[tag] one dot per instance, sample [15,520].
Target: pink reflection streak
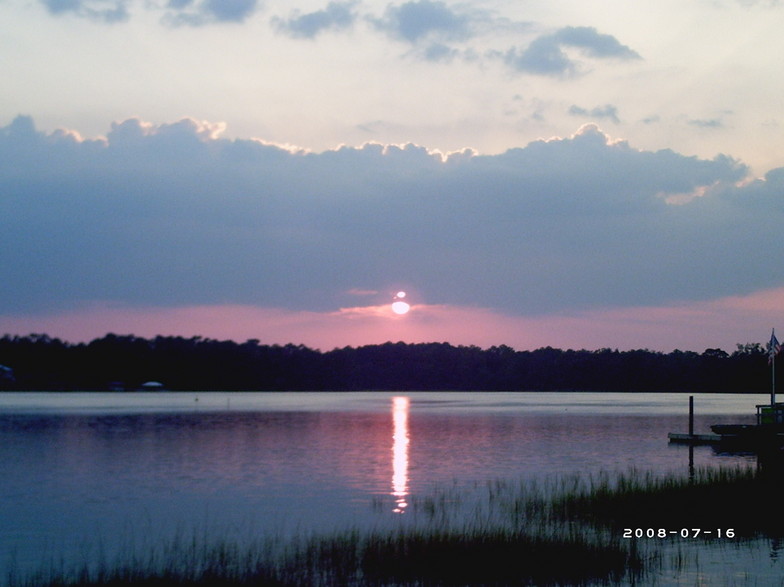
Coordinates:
[400,441]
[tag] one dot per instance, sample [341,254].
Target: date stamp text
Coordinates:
[680,533]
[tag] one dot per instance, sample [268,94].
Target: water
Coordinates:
[83,472]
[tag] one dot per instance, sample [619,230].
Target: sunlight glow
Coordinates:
[400,308]
[400,442]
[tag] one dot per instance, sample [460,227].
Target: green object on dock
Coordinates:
[773,414]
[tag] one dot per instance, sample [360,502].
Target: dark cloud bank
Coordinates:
[172,214]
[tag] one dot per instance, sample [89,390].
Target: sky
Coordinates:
[539,173]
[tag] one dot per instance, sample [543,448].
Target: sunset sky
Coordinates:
[565,173]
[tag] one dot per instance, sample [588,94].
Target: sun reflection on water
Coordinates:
[400,442]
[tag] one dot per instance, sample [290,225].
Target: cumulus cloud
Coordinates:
[546,56]
[336,16]
[174,214]
[100,10]
[607,111]
[424,19]
[594,43]
[199,13]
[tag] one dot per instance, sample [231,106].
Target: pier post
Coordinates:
[691,415]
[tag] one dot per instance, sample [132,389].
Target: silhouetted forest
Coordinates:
[38,362]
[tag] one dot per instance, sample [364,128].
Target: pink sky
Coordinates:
[691,326]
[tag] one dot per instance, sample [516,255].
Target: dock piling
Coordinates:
[691,438]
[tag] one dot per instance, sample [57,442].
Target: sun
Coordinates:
[400,307]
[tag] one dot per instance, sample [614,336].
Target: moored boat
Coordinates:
[768,430]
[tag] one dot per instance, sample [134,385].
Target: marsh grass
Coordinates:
[740,498]
[561,531]
[407,557]
[497,557]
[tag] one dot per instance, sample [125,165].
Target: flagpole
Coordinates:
[774,344]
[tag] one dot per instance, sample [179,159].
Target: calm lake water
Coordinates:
[94,471]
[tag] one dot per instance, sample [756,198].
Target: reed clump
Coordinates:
[739,498]
[563,531]
[496,557]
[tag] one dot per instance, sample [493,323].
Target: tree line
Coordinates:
[39,362]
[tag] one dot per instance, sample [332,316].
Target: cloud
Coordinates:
[707,123]
[423,19]
[336,16]
[193,13]
[108,11]
[438,52]
[594,43]
[177,12]
[437,31]
[431,27]
[607,111]
[546,56]
[175,215]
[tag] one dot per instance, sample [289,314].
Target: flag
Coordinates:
[773,346]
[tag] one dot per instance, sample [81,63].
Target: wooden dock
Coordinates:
[766,434]
[683,438]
